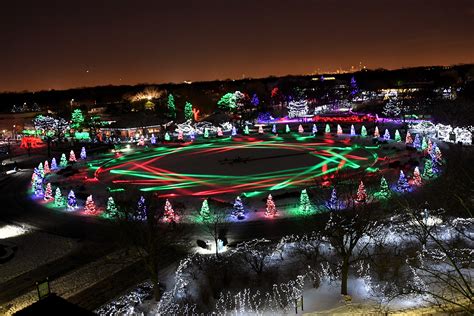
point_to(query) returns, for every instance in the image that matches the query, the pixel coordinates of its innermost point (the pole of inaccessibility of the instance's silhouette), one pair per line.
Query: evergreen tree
(314, 130)
(46, 167)
(339, 129)
(238, 210)
(327, 129)
(180, 133)
(141, 211)
(424, 144)
(361, 193)
(333, 204)
(41, 170)
(54, 165)
(376, 132)
(354, 88)
(38, 187)
(72, 156)
(287, 129)
(428, 169)
(33, 179)
(408, 139)
(398, 138)
(234, 131)
(169, 215)
(167, 137)
(305, 204)
(260, 129)
(402, 183)
(153, 139)
(188, 111)
(58, 198)
(111, 210)
(353, 132)
(48, 193)
(274, 129)
(271, 209)
(171, 107)
(71, 200)
(90, 208)
(63, 161)
(205, 212)
(300, 129)
(246, 130)
(384, 192)
(417, 142)
(83, 153)
(77, 119)
(363, 131)
(386, 135)
(416, 177)
(255, 101)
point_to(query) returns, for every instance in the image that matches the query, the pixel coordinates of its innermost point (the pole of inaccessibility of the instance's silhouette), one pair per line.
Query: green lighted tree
(205, 212)
(188, 111)
(171, 106)
(305, 204)
(77, 119)
(363, 131)
(384, 192)
(228, 102)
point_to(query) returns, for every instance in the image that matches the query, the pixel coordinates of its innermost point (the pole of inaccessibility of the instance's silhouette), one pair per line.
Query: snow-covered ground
(33, 249)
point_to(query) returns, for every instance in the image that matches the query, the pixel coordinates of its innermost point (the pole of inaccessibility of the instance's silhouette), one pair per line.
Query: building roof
(53, 305)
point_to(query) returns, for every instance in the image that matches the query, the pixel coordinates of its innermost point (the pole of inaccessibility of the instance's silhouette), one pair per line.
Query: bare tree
(255, 253)
(216, 225)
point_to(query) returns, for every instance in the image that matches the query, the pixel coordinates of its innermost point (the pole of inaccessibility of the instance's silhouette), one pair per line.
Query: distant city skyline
(60, 45)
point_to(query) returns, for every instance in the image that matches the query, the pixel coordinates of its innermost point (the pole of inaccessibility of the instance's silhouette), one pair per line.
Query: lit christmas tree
(171, 107)
(72, 156)
(219, 132)
(246, 130)
(238, 211)
(255, 101)
(41, 170)
(188, 111)
(314, 130)
(305, 204)
(153, 139)
(428, 169)
(38, 187)
(54, 165)
(180, 134)
(384, 192)
(274, 129)
(398, 138)
(402, 183)
(33, 179)
(300, 129)
(416, 177)
(141, 142)
(287, 129)
(167, 137)
(111, 210)
(260, 129)
(205, 212)
(48, 193)
(430, 147)
(353, 131)
(271, 208)
(327, 129)
(354, 88)
(90, 208)
(376, 132)
(141, 211)
(408, 139)
(234, 131)
(363, 131)
(438, 155)
(417, 142)
(71, 201)
(424, 144)
(63, 161)
(83, 154)
(361, 193)
(339, 129)
(77, 119)
(333, 203)
(169, 215)
(46, 167)
(58, 198)
(386, 135)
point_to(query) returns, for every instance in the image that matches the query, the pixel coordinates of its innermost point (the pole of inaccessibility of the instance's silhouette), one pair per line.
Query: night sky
(63, 44)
